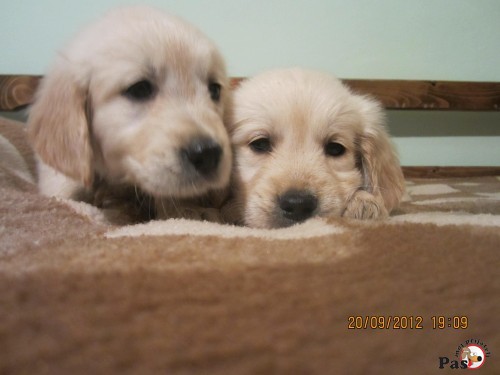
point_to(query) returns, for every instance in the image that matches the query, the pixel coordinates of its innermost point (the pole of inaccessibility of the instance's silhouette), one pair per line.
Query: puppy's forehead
(304, 103)
(135, 42)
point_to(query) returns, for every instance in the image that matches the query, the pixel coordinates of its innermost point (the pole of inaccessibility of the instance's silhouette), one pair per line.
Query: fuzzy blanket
(81, 294)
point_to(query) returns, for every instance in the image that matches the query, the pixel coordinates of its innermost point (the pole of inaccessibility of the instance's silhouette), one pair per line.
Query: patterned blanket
(83, 294)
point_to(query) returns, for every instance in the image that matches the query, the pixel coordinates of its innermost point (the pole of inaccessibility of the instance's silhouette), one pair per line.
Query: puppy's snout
(203, 155)
(297, 205)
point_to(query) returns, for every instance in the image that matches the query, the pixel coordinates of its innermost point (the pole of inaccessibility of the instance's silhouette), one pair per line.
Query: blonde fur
(299, 112)
(85, 126)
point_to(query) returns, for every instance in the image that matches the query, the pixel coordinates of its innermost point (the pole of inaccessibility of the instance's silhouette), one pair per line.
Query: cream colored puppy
(307, 146)
(135, 102)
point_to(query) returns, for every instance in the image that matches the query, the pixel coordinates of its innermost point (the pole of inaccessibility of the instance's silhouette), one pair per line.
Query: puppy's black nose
(203, 155)
(297, 205)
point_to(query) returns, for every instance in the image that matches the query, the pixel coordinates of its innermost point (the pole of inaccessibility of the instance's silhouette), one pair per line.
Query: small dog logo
(470, 355)
(473, 355)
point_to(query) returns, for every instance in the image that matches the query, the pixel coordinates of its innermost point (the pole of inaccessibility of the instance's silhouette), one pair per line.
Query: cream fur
(83, 126)
(299, 112)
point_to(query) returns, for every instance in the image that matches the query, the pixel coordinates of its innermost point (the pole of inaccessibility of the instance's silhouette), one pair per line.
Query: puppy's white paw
(364, 205)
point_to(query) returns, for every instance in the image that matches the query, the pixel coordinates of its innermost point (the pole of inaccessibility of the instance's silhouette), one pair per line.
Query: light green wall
(386, 39)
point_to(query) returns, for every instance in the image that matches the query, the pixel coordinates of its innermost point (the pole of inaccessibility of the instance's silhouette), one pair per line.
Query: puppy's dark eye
(261, 145)
(334, 149)
(214, 89)
(140, 91)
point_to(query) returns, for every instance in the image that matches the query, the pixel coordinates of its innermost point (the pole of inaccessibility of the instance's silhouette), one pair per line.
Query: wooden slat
(16, 91)
(432, 95)
(427, 95)
(447, 172)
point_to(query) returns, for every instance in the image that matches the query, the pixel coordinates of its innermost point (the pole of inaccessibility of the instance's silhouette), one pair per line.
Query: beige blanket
(79, 295)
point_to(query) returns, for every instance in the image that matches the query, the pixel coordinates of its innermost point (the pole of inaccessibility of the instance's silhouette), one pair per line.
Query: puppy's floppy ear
(58, 124)
(379, 163)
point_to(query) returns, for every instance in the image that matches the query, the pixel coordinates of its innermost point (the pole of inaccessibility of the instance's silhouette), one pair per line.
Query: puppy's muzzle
(296, 206)
(202, 156)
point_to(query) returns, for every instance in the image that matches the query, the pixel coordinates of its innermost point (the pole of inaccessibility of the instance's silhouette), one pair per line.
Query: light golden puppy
(135, 102)
(307, 146)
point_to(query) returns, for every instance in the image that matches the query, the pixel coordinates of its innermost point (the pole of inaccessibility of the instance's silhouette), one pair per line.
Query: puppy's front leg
(232, 212)
(364, 205)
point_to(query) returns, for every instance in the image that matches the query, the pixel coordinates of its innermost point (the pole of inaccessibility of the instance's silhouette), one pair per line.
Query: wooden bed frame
(16, 92)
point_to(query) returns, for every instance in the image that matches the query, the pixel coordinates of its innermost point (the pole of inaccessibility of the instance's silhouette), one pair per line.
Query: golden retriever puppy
(307, 146)
(134, 103)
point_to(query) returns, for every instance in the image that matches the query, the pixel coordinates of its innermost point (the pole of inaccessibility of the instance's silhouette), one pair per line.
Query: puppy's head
(305, 145)
(137, 98)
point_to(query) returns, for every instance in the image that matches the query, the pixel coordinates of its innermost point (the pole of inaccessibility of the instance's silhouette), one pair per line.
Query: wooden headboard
(17, 91)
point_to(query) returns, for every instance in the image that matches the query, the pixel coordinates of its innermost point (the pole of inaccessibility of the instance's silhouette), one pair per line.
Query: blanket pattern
(86, 291)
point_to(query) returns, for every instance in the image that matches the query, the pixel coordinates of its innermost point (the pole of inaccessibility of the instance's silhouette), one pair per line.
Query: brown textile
(79, 295)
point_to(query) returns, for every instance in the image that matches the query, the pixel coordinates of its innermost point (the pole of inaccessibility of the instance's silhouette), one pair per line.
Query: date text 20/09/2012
(407, 322)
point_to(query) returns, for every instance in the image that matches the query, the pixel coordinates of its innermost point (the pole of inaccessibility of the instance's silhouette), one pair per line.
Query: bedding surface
(85, 291)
